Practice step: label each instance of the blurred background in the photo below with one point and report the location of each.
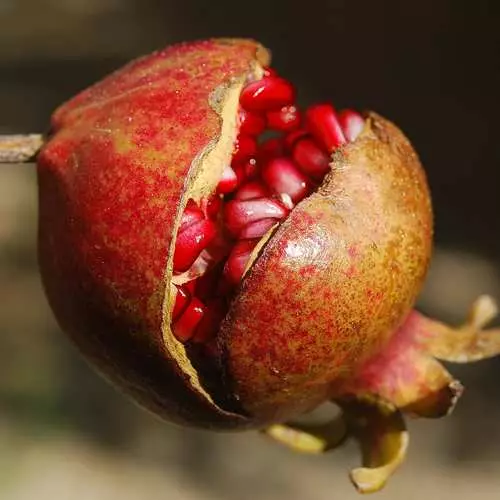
(432, 66)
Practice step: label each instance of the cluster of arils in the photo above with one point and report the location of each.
(266, 179)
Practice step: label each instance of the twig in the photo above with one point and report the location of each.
(19, 148)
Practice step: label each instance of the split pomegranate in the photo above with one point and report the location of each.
(232, 261)
(198, 227)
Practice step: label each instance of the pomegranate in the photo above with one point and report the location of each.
(232, 261)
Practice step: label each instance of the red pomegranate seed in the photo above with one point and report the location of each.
(184, 328)
(246, 170)
(228, 181)
(322, 122)
(251, 168)
(206, 285)
(269, 93)
(252, 190)
(282, 175)
(211, 206)
(240, 213)
(219, 248)
(190, 286)
(294, 136)
(257, 229)
(244, 147)
(285, 119)
(270, 149)
(352, 123)
(191, 242)
(209, 324)
(181, 301)
(250, 123)
(311, 159)
(240, 172)
(237, 260)
(191, 215)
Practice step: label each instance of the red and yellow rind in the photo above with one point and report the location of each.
(335, 281)
(110, 181)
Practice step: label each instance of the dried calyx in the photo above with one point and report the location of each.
(267, 177)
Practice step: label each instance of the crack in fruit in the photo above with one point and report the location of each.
(265, 180)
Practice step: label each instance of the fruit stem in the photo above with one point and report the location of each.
(20, 148)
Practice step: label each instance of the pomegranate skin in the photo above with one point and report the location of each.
(326, 293)
(110, 180)
(335, 281)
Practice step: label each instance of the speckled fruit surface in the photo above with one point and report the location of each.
(336, 280)
(111, 179)
(324, 294)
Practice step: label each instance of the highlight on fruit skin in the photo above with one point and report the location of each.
(232, 261)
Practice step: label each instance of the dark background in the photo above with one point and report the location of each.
(431, 66)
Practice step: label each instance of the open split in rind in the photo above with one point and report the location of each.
(388, 145)
(204, 175)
